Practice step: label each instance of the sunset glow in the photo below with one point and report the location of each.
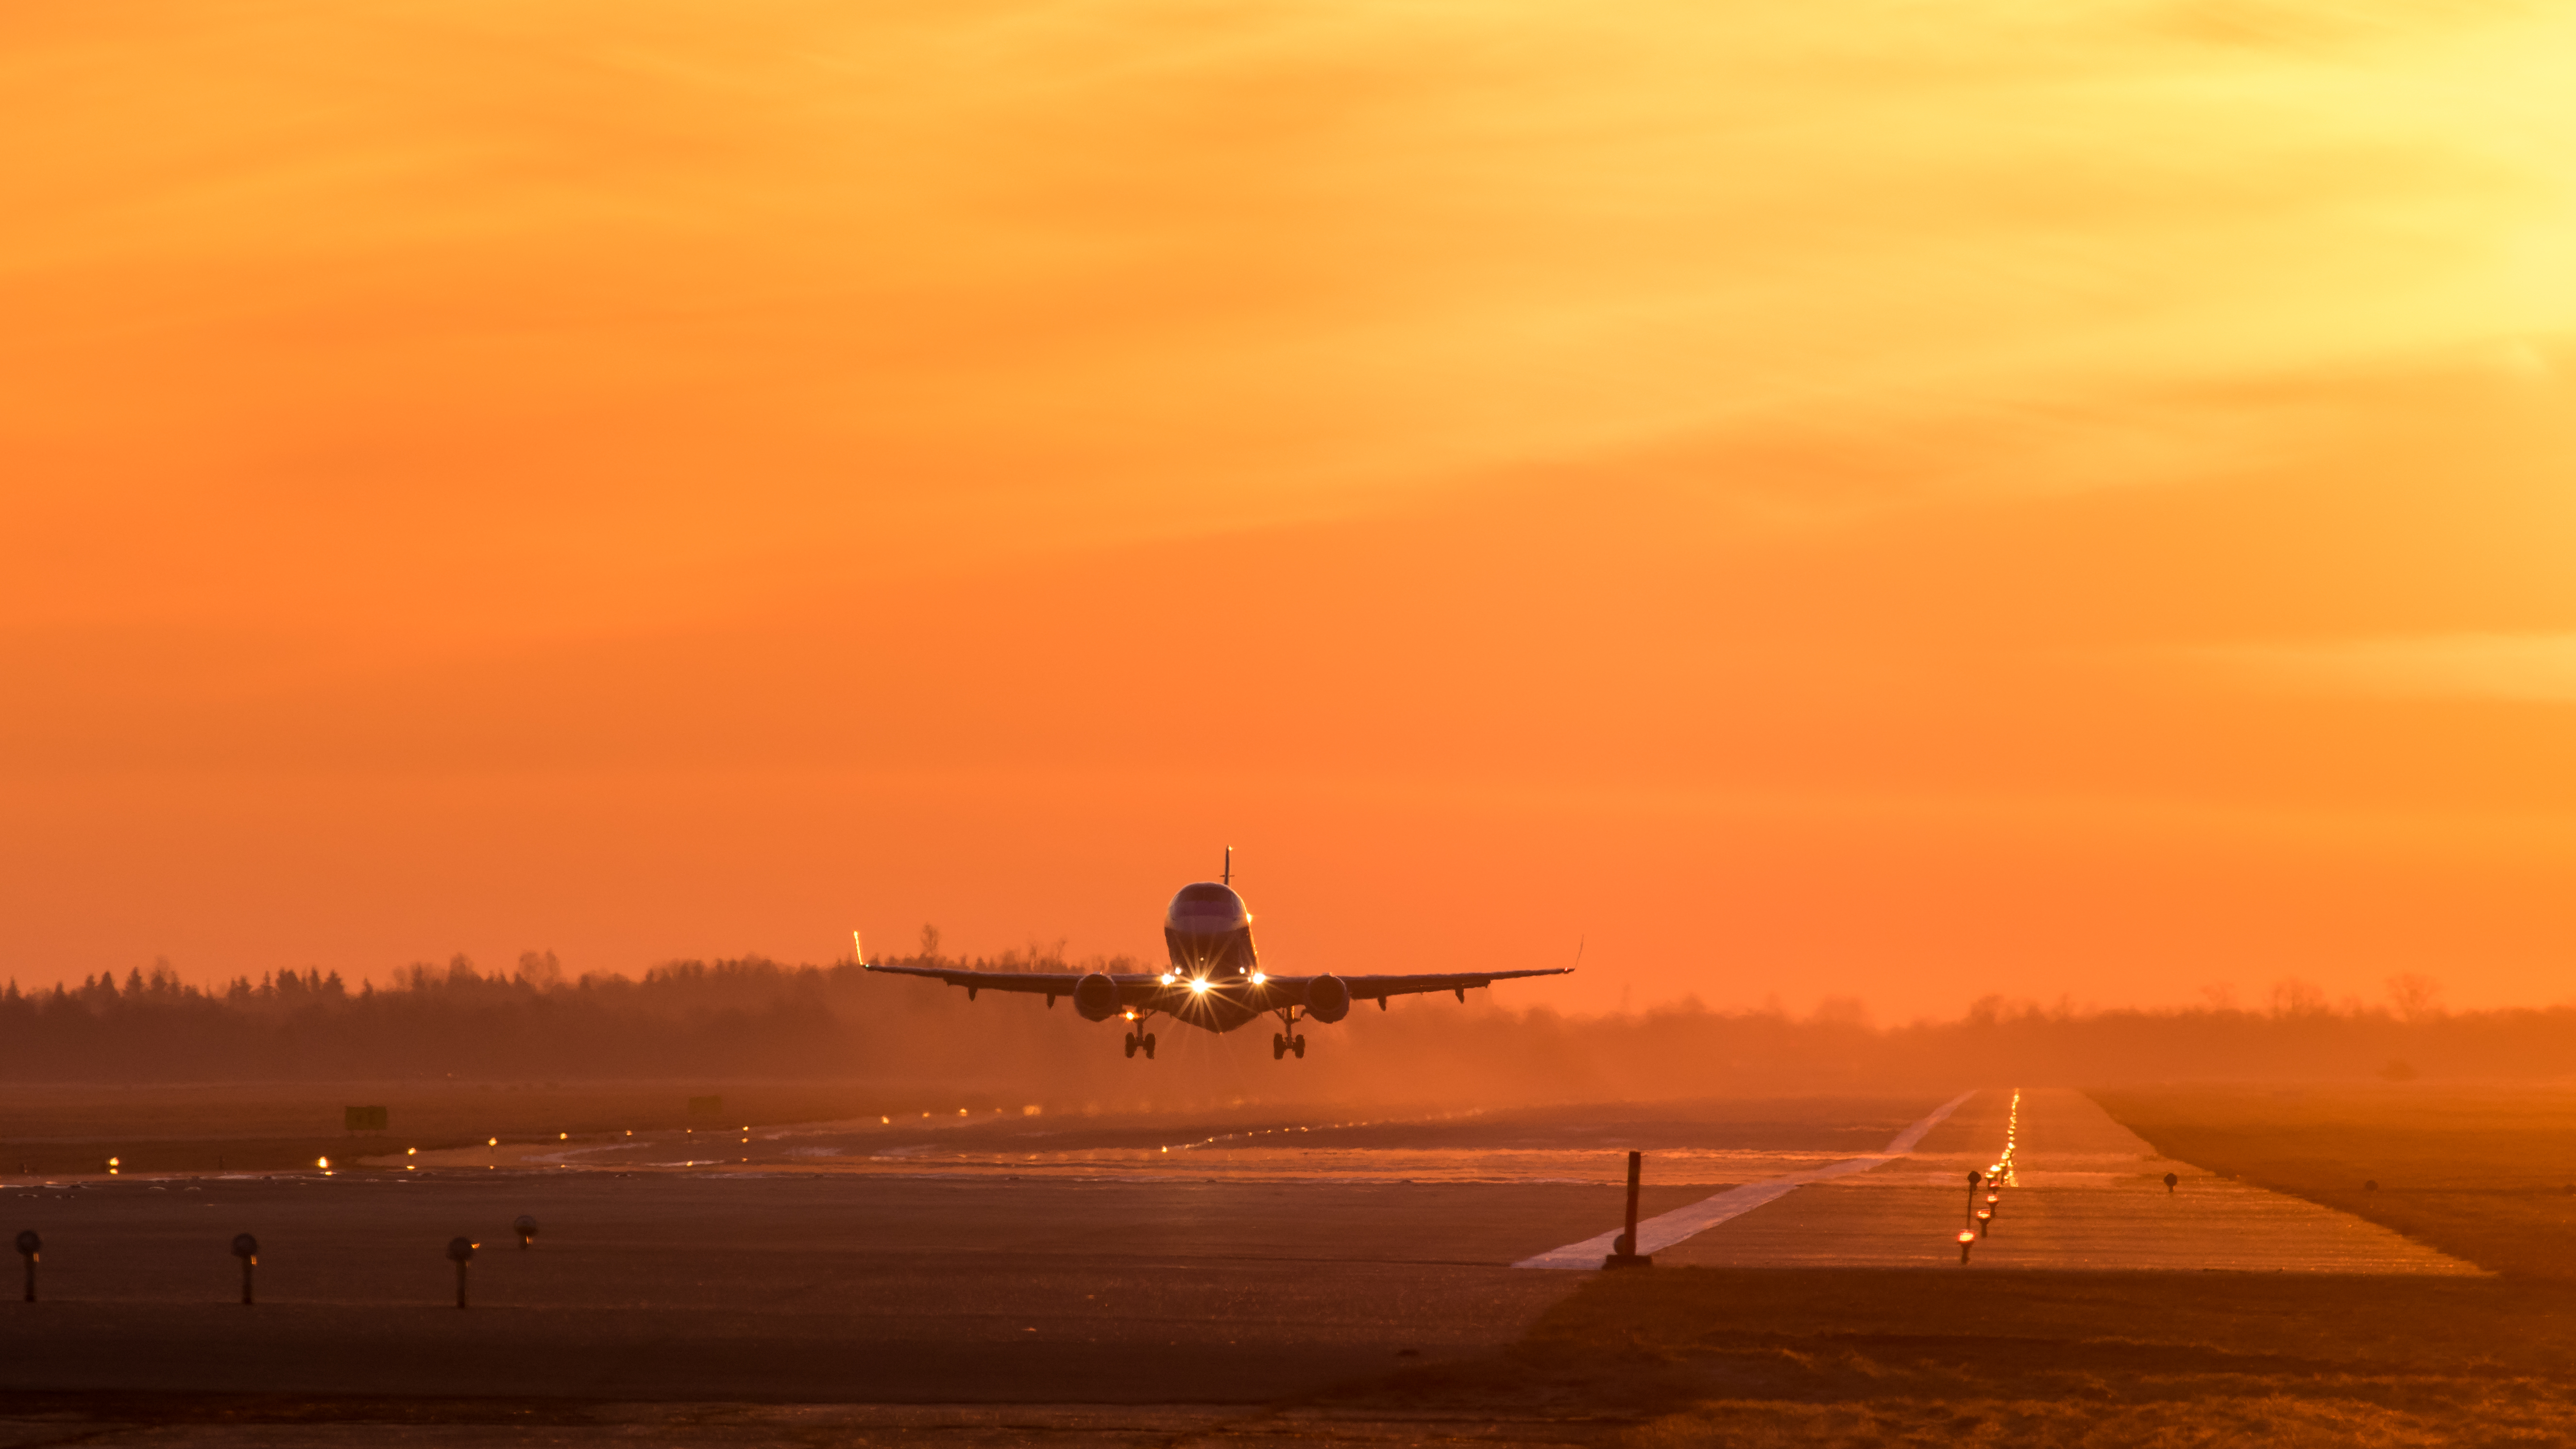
(1848, 501)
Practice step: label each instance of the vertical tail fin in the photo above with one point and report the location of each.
(1228, 877)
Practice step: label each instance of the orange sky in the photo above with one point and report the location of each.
(1848, 499)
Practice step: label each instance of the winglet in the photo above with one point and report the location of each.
(859, 949)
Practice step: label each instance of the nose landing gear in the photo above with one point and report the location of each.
(1143, 1040)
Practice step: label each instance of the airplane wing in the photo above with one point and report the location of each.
(1142, 987)
(1035, 983)
(1379, 988)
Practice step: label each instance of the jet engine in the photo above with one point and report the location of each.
(1096, 997)
(1328, 998)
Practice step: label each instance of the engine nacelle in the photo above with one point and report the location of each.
(1328, 998)
(1096, 997)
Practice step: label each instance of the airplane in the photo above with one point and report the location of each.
(1215, 983)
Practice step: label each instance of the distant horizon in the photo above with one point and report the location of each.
(757, 1018)
(2406, 998)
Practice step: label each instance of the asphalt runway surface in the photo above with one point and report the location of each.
(1120, 1279)
(1233, 1260)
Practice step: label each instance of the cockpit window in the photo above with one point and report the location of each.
(1205, 899)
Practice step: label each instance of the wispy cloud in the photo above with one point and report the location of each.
(702, 289)
(2519, 666)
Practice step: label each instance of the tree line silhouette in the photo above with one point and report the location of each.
(758, 1019)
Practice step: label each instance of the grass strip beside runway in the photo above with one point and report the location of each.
(2485, 1173)
(1857, 1356)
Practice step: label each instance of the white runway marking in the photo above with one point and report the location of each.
(1658, 1233)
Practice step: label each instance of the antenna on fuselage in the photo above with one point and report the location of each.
(1228, 877)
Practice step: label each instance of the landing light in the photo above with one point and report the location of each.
(1199, 984)
(1167, 978)
(1258, 978)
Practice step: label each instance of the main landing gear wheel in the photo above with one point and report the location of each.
(1298, 1045)
(1131, 1043)
(1149, 1046)
(1278, 1046)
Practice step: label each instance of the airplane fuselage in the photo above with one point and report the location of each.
(1209, 932)
(1215, 980)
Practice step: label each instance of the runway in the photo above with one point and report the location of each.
(2086, 1194)
(1664, 1230)
(1012, 1259)
(1705, 1143)
(1221, 1258)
